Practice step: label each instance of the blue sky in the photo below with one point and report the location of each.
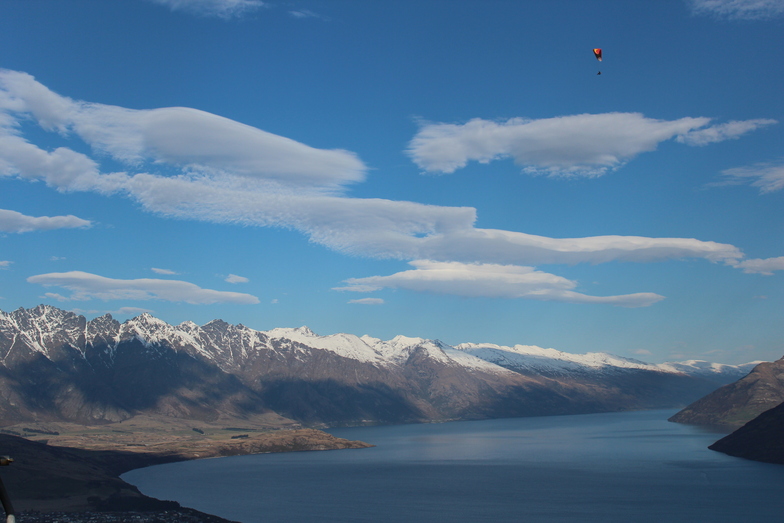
(451, 169)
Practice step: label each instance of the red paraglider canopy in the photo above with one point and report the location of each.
(598, 54)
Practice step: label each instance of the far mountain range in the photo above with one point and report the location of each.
(55, 366)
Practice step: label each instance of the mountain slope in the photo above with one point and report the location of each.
(761, 439)
(737, 403)
(55, 365)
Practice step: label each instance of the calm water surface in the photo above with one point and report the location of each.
(619, 467)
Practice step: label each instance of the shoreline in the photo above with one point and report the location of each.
(48, 477)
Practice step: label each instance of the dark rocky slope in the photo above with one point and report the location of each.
(761, 439)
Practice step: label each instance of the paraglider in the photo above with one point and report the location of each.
(598, 54)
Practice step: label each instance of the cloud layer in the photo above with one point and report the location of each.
(85, 286)
(228, 172)
(580, 145)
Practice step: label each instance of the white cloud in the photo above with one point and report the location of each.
(768, 177)
(368, 301)
(722, 132)
(220, 8)
(764, 266)
(12, 221)
(579, 145)
(274, 181)
(233, 278)
(739, 9)
(162, 271)
(55, 296)
(199, 143)
(490, 280)
(85, 286)
(306, 13)
(5, 264)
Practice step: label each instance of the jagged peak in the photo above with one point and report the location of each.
(147, 318)
(304, 330)
(217, 323)
(100, 321)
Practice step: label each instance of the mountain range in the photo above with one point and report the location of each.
(56, 366)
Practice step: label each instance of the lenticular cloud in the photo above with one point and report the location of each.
(493, 281)
(84, 286)
(585, 145)
(191, 140)
(12, 221)
(189, 164)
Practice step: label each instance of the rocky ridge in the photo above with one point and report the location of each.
(737, 403)
(56, 366)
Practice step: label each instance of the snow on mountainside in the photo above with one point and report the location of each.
(45, 327)
(530, 358)
(56, 365)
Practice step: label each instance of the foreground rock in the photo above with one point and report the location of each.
(761, 439)
(733, 405)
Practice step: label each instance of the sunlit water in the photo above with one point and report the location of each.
(620, 467)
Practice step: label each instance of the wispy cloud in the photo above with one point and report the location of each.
(225, 9)
(162, 271)
(306, 13)
(768, 177)
(85, 286)
(233, 278)
(368, 301)
(12, 221)
(739, 9)
(586, 145)
(5, 264)
(722, 132)
(490, 280)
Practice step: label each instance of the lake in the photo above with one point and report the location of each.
(618, 467)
